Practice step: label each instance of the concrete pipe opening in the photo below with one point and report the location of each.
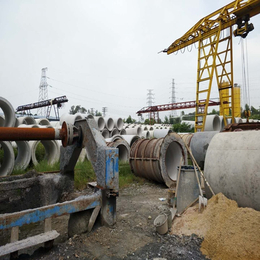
(114, 131)
(145, 134)
(23, 157)
(7, 160)
(118, 123)
(70, 119)
(123, 132)
(42, 121)
(131, 139)
(123, 149)
(109, 123)
(105, 133)
(26, 120)
(101, 123)
(212, 123)
(9, 114)
(2, 121)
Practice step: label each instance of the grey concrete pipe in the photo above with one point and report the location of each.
(199, 145)
(186, 137)
(114, 131)
(2, 121)
(232, 167)
(23, 157)
(89, 116)
(105, 133)
(52, 151)
(158, 133)
(212, 123)
(55, 124)
(118, 123)
(109, 123)
(42, 121)
(101, 123)
(9, 114)
(7, 164)
(114, 138)
(123, 132)
(222, 123)
(70, 119)
(158, 159)
(134, 131)
(130, 138)
(123, 149)
(26, 120)
(145, 134)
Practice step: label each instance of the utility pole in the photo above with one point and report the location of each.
(43, 93)
(104, 110)
(173, 99)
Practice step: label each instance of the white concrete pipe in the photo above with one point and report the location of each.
(24, 154)
(222, 123)
(9, 114)
(151, 128)
(42, 121)
(212, 123)
(238, 120)
(109, 123)
(134, 131)
(123, 132)
(186, 137)
(70, 119)
(144, 127)
(158, 133)
(118, 123)
(114, 138)
(2, 121)
(89, 116)
(131, 138)
(114, 131)
(145, 134)
(55, 124)
(123, 149)
(7, 164)
(199, 145)
(26, 120)
(151, 133)
(29, 126)
(105, 133)
(101, 123)
(52, 151)
(158, 159)
(232, 166)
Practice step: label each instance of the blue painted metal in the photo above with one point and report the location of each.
(111, 175)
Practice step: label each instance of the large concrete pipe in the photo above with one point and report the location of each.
(232, 167)
(42, 121)
(145, 134)
(105, 133)
(114, 138)
(70, 119)
(199, 145)
(7, 162)
(222, 123)
(158, 133)
(2, 121)
(109, 123)
(89, 116)
(158, 159)
(23, 157)
(130, 138)
(123, 132)
(134, 131)
(212, 123)
(101, 123)
(52, 151)
(8, 111)
(118, 123)
(26, 120)
(123, 149)
(29, 126)
(55, 124)
(114, 131)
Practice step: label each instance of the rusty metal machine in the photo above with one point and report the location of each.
(84, 134)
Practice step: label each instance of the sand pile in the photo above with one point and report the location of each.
(229, 232)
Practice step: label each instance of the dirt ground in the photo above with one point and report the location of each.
(132, 237)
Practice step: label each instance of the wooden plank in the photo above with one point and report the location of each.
(14, 234)
(28, 242)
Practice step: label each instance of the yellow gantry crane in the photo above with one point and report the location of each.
(214, 36)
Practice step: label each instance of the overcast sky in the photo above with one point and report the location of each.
(105, 53)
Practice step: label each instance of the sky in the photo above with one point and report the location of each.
(105, 53)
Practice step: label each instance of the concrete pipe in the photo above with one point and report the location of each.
(144, 127)
(238, 120)
(7, 162)
(114, 138)
(232, 167)
(151, 128)
(9, 114)
(89, 116)
(101, 123)
(52, 151)
(70, 119)
(2, 121)
(186, 138)
(118, 123)
(145, 134)
(105, 133)
(158, 133)
(109, 123)
(212, 123)
(122, 132)
(199, 145)
(114, 131)
(23, 157)
(42, 121)
(151, 133)
(158, 159)
(123, 149)
(131, 138)
(29, 126)
(55, 124)
(222, 123)
(26, 120)
(134, 131)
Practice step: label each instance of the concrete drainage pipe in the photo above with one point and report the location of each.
(123, 149)
(7, 162)
(8, 111)
(158, 133)
(212, 123)
(123, 132)
(2, 121)
(52, 151)
(26, 120)
(70, 119)
(232, 167)
(145, 134)
(131, 138)
(134, 131)
(101, 123)
(199, 145)
(105, 133)
(158, 159)
(114, 138)
(42, 121)
(23, 157)
(114, 131)
(118, 123)
(109, 123)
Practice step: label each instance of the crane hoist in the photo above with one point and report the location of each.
(214, 36)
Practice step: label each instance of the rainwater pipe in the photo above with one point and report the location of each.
(101, 123)
(212, 123)
(118, 123)
(123, 149)
(9, 114)
(7, 165)
(131, 138)
(158, 159)
(199, 145)
(232, 166)
(158, 133)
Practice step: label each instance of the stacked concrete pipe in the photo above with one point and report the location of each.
(109, 123)
(232, 166)
(134, 131)
(2, 121)
(9, 114)
(105, 133)
(118, 123)
(158, 159)
(26, 120)
(123, 149)
(101, 123)
(159, 133)
(131, 139)
(145, 134)
(212, 123)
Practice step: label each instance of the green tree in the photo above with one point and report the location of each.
(129, 120)
(183, 128)
(77, 109)
(166, 120)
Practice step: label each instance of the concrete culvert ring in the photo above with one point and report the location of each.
(7, 158)
(123, 149)
(8, 111)
(23, 157)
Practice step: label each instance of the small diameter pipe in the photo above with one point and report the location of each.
(114, 131)
(7, 165)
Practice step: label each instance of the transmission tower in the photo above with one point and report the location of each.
(173, 98)
(150, 97)
(43, 93)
